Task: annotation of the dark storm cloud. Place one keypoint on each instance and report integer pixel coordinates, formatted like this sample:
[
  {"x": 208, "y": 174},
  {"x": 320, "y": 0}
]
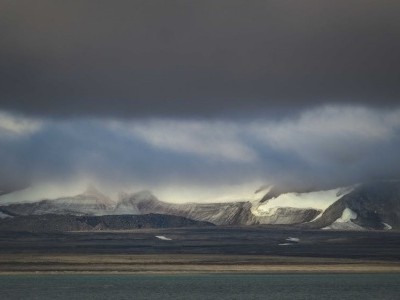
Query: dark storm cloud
[
  {"x": 196, "y": 58},
  {"x": 175, "y": 93}
]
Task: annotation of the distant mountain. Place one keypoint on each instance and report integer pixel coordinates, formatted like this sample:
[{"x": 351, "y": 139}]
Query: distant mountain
[
  {"x": 365, "y": 206},
  {"x": 91, "y": 202},
  {"x": 369, "y": 206},
  {"x": 94, "y": 203},
  {"x": 49, "y": 222}
]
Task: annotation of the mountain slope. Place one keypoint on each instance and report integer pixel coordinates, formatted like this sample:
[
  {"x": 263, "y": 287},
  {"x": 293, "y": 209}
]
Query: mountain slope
[
  {"x": 277, "y": 207},
  {"x": 216, "y": 213},
  {"x": 231, "y": 213},
  {"x": 372, "y": 206}
]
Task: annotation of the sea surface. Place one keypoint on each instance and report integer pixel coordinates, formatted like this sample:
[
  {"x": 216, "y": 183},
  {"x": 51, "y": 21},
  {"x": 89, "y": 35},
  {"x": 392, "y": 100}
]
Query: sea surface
[{"x": 193, "y": 287}]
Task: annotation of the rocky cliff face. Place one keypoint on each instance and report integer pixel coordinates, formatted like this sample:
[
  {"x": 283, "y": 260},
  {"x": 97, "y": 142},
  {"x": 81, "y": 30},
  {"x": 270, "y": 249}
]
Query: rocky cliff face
[
  {"x": 217, "y": 213},
  {"x": 288, "y": 215}
]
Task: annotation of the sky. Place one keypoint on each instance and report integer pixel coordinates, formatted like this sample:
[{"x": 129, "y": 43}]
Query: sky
[{"x": 198, "y": 100}]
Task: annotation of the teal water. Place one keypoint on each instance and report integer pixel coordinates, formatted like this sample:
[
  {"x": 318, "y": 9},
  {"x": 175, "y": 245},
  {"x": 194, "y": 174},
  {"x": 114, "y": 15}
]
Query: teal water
[{"x": 193, "y": 287}]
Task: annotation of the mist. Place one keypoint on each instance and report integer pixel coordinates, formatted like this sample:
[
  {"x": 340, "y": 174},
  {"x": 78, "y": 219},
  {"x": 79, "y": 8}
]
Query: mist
[{"x": 320, "y": 148}]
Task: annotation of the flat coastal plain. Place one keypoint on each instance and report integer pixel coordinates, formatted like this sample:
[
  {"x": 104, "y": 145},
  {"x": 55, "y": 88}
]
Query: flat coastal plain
[{"x": 260, "y": 249}]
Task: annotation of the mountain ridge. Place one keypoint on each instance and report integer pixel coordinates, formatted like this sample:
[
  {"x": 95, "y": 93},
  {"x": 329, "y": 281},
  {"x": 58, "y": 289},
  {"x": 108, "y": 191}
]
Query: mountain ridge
[{"x": 365, "y": 206}]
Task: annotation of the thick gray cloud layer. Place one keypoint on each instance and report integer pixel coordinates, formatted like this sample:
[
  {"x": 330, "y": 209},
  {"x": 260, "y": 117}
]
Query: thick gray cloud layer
[
  {"x": 196, "y": 58},
  {"x": 321, "y": 148}
]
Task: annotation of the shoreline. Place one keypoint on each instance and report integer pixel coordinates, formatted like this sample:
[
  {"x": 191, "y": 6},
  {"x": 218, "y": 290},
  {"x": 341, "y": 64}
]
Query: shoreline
[{"x": 165, "y": 264}]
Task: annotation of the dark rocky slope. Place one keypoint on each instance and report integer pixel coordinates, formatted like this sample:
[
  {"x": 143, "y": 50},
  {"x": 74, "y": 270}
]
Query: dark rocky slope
[
  {"x": 376, "y": 205},
  {"x": 49, "y": 223}
]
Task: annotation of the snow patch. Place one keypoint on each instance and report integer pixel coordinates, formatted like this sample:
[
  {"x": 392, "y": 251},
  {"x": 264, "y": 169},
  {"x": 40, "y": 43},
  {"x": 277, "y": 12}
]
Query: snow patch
[
  {"x": 293, "y": 239},
  {"x": 387, "y": 226},
  {"x": 347, "y": 216},
  {"x": 162, "y": 237},
  {"x": 345, "y": 221},
  {"x": 320, "y": 200},
  {"x": 266, "y": 213}
]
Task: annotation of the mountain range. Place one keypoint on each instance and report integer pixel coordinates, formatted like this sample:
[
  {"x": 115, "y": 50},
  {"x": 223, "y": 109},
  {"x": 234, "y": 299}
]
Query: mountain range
[{"x": 368, "y": 206}]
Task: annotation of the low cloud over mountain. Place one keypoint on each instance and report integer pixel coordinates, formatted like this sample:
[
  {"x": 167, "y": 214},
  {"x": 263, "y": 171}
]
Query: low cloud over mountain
[{"x": 318, "y": 148}]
